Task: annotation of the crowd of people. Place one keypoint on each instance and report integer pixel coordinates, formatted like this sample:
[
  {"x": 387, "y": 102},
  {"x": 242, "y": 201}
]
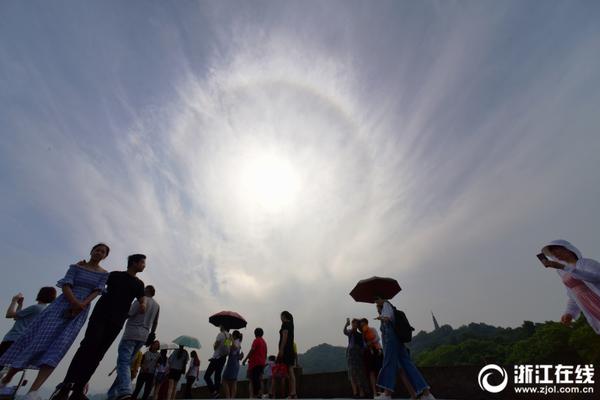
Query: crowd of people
[{"x": 44, "y": 332}]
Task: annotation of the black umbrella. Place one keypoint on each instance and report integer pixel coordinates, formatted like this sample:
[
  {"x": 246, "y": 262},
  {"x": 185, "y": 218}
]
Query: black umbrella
[
  {"x": 367, "y": 290},
  {"x": 228, "y": 319}
]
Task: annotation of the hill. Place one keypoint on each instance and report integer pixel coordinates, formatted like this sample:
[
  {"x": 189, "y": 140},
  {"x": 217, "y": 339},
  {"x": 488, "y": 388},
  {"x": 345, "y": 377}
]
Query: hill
[{"x": 323, "y": 358}]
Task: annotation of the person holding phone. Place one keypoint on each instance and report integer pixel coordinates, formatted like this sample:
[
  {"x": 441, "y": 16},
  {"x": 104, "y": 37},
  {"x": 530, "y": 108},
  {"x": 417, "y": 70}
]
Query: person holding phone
[
  {"x": 581, "y": 277},
  {"x": 24, "y": 316}
]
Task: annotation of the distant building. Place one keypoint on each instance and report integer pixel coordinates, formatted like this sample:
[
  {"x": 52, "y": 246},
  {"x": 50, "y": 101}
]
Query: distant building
[{"x": 436, "y": 326}]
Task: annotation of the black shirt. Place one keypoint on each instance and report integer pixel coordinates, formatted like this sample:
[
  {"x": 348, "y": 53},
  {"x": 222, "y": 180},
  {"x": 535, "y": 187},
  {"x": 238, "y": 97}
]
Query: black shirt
[
  {"x": 288, "y": 350},
  {"x": 121, "y": 290}
]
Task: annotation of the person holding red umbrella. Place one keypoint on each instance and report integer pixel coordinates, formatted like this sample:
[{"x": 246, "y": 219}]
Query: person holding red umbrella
[
  {"x": 222, "y": 345},
  {"x": 379, "y": 290},
  {"x": 396, "y": 357}
]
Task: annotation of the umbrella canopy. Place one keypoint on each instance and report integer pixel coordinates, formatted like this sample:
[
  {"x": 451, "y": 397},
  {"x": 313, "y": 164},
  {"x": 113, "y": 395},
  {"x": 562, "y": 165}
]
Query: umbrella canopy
[
  {"x": 187, "y": 341},
  {"x": 168, "y": 346},
  {"x": 367, "y": 290},
  {"x": 228, "y": 319}
]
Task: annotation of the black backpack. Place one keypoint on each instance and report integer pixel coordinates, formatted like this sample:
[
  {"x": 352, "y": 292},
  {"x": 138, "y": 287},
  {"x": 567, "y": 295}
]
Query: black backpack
[{"x": 402, "y": 327}]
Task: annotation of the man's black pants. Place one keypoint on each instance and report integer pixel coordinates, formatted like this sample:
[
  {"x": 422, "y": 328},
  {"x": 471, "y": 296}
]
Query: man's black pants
[
  {"x": 214, "y": 366},
  {"x": 99, "y": 336}
]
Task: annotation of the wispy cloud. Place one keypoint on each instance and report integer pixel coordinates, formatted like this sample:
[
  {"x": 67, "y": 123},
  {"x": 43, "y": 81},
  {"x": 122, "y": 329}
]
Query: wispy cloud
[{"x": 438, "y": 143}]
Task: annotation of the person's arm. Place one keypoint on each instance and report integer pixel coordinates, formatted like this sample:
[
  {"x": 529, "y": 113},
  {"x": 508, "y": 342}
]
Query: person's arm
[
  {"x": 386, "y": 313},
  {"x": 15, "y": 306},
  {"x": 345, "y": 330},
  {"x": 220, "y": 338},
  {"x": 66, "y": 284},
  {"x": 155, "y": 322},
  {"x": 572, "y": 311},
  {"x": 248, "y": 355},
  {"x": 134, "y": 309},
  {"x": 76, "y": 305},
  {"x": 588, "y": 271},
  {"x": 88, "y": 300},
  {"x": 142, "y": 302}
]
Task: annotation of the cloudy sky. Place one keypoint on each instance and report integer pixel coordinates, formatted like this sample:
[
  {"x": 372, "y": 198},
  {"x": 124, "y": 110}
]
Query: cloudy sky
[{"x": 267, "y": 155}]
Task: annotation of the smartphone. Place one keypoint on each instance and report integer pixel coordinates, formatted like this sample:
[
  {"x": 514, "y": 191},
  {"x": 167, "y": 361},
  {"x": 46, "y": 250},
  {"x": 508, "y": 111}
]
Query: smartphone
[{"x": 542, "y": 257}]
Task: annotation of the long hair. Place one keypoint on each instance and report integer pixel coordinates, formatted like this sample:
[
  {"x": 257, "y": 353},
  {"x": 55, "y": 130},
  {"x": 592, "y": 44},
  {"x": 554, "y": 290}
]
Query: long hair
[
  {"x": 287, "y": 315},
  {"x": 195, "y": 358},
  {"x": 162, "y": 360}
]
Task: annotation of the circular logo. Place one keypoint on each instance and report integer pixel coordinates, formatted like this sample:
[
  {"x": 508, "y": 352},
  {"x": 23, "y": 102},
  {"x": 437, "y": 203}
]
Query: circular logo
[{"x": 484, "y": 375}]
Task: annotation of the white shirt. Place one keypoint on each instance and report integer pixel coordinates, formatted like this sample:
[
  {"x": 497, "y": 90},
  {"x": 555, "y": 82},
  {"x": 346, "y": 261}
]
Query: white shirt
[{"x": 588, "y": 271}]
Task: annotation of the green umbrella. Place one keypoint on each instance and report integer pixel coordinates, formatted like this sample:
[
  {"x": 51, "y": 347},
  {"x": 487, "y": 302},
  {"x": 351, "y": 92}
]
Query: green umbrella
[{"x": 187, "y": 341}]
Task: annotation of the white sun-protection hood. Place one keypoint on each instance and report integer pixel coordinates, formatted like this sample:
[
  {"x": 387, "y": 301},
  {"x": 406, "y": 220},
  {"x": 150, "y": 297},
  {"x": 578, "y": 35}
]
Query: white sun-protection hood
[{"x": 562, "y": 243}]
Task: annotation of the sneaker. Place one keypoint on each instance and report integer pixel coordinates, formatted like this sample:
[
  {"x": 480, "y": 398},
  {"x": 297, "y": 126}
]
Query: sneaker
[
  {"x": 427, "y": 397},
  {"x": 78, "y": 396},
  {"x": 61, "y": 392},
  {"x": 382, "y": 396},
  {"x": 33, "y": 395}
]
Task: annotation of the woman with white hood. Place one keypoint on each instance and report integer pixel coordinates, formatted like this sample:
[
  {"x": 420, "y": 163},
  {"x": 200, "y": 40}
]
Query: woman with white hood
[{"x": 581, "y": 277}]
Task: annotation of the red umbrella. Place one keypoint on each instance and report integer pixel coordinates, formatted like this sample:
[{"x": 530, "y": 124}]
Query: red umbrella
[
  {"x": 367, "y": 290},
  {"x": 228, "y": 319}
]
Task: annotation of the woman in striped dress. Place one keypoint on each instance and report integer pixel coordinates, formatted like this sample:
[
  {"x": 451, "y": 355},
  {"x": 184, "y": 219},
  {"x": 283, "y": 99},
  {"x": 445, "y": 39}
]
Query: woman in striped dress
[{"x": 52, "y": 333}]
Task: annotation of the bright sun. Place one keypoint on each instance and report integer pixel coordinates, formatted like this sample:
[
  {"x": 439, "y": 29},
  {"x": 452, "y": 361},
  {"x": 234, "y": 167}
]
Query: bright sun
[{"x": 268, "y": 180}]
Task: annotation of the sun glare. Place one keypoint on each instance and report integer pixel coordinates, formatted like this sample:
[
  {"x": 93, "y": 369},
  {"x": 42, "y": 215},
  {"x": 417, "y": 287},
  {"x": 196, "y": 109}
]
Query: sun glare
[{"x": 269, "y": 181}]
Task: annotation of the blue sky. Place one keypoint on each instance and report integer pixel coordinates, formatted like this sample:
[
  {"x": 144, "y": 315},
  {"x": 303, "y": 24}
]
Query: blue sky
[{"x": 267, "y": 155}]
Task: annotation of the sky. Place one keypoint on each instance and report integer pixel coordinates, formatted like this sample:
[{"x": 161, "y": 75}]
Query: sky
[{"x": 266, "y": 156}]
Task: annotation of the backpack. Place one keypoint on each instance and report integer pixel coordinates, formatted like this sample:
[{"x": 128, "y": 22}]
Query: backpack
[{"x": 402, "y": 327}]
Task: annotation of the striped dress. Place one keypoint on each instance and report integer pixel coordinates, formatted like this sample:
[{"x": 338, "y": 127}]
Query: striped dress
[{"x": 51, "y": 334}]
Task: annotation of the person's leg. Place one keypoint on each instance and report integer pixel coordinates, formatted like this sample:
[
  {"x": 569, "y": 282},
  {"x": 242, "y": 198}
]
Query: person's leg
[
  {"x": 188, "y": 387},
  {"x": 139, "y": 383},
  {"x": 226, "y": 389},
  {"x": 170, "y": 390},
  {"x": 233, "y": 389},
  {"x": 123, "y": 378},
  {"x": 93, "y": 336},
  {"x": 254, "y": 378},
  {"x": 157, "y": 385},
  {"x": 207, "y": 375},
  {"x": 412, "y": 373},
  {"x": 109, "y": 334},
  {"x": 5, "y": 345},
  {"x": 406, "y": 382},
  {"x": 353, "y": 384},
  {"x": 250, "y": 386},
  {"x": 42, "y": 376},
  {"x": 219, "y": 373},
  {"x": 373, "y": 378},
  {"x": 292, "y": 377},
  {"x": 389, "y": 370},
  {"x": 9, "y": 375},
  {"x": 130, "y": 349},
  {"x": 148, "y": 385}
]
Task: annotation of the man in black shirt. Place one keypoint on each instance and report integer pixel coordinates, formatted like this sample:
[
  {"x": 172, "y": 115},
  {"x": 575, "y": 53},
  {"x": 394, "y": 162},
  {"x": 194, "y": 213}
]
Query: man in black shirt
[{"x": 106, "y": 321}]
